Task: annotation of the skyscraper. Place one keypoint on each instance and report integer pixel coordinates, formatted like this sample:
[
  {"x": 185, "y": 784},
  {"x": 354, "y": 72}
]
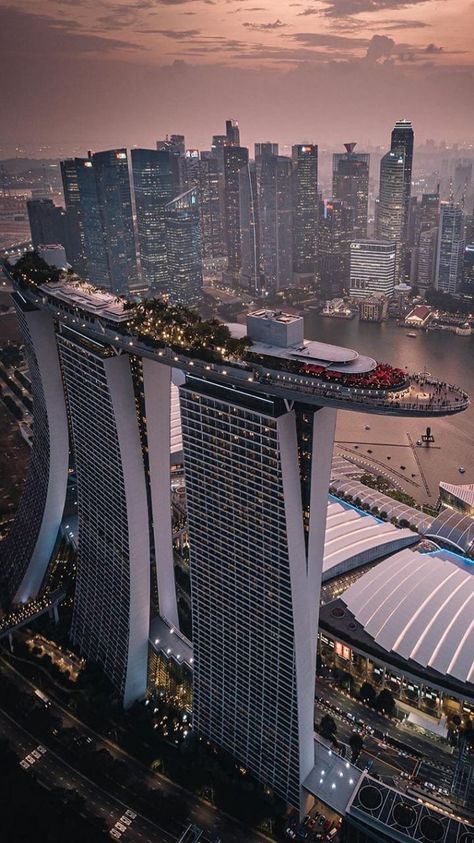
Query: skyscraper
[
  {"x": 115, "y": 205},
  {"x": 154, "y": 185},
  {"x": 350, "y": 184},
  {"x": 235, "y": 157},
  {"x": 426, "y": 220},
  {"x": 84, "y": 221},
  {"x": 183, "y": 248},
  {"x": 335, "y": 227},
  {"x": 372, "y": 267},
  {"x": 47, "y": 222},
  {"x": 249, "y": 229},
  {"x": 305, "y": 208},
  {"x": 276, "y": 222},
  {"x": 450, "y": 249},
  {"x": 99, "y": 209},
  {"x": 391, "y": 217},
  {"x": 403, "y": 138},
  {"x": 201, "y": 170},
  {"x": 232, "y": 133}
]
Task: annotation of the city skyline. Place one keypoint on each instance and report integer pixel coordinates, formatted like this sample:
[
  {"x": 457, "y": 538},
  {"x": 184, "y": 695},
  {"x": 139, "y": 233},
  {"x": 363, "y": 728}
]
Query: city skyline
[{"x": 331, "y": 63}]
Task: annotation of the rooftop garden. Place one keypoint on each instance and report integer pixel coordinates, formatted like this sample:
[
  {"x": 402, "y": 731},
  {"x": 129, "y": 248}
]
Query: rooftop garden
[
  {"x": 155, "y": 321},
  {"x": 384, "y": 376},
  {"x": 183, "y": 330}
]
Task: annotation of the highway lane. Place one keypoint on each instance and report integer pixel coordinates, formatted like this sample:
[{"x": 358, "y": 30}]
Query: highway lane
[
  {"x": 52, "y": 772},
  {"x": 214, "y": 822}
]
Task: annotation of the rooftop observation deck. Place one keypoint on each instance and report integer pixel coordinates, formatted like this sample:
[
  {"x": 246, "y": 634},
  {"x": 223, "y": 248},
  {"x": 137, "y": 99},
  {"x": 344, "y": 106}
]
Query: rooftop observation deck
[{"x": 261, "y": 364}]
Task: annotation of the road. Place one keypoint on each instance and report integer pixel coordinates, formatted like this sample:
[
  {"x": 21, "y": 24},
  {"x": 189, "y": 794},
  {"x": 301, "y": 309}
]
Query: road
[
  {"x": 213, "y": 822},
  {"x": 52, "y": 772},
  {"x": 414, "y": 756}
]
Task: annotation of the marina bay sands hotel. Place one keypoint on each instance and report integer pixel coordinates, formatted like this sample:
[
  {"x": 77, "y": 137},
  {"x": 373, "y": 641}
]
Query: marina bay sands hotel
[{"x": 258, "y": 416}]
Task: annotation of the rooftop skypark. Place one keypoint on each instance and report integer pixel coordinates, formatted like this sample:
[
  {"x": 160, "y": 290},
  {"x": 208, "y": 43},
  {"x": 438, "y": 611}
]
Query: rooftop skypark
[{"x": 273, "y": 356}]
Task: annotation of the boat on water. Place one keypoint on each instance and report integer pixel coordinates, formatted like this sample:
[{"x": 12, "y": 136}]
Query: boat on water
[
  {"x": 412, "y": 334},
  {"x": 461, "y": 469}
]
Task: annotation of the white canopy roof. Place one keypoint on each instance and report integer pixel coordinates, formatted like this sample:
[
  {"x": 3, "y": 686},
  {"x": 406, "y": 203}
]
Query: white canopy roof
[{"x": 421, "y": 606}]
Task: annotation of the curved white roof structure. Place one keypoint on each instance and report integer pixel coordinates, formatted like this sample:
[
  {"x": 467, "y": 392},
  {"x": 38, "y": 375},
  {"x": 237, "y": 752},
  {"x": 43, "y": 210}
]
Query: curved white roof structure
[
  {"x": 354, "y": 539},
  {"x": 420, "y": 606},
  {"x": 454, "y": 529}
]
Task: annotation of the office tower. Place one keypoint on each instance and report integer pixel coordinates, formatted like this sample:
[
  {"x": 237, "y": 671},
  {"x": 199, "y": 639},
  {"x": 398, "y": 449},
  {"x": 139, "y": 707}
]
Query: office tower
[
  {"x": 450, "y": 249},
  {"x": 469, "y": 228},
  {"x": 99, "y": 214},
  {"x": 276, "y": 222},
  {"x": 115, "y": 204},
  {"x": 468, "y": 269},
  {"x": 372, "y": 267},
  {"x": 403, "y": 139},
  {"x": 305, "y": 208},
  {"x": 47, "y": 222},
  {"x": 335, "y": 227},
  {"x": 27, "y": 549},
  {"x": 249, "y": 229},
  {"x": 265, "y": 148},
  {"x": 232, "y": 133},
  {"x": 350, "y": 184},
  {"x": 183, "y": 248},
  {"x": 392, "y": 206},
  {"x": 218, "y": 143},
  {"x": 425, "y": 259},
  {"x": 84, "y": 223},
  {"x": 200, "y": 170},
  {"x": 462, "y": 181},
  {"x": 172, "y": 143},
  {"x": 235, "y": 157},
  {"x": 426, "y": 220},
  {"x": 154, "y": 185}
]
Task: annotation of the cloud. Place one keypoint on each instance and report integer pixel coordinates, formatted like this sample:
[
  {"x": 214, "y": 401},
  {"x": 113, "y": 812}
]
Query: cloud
[
  {"x": 30, "y": 35},
  {"x": 381, "y": 46},
  {"x": 347, "y": 8},
  {"x": 177, "y": 34},
  {"x": 327, "y": 39},
  {"x": 265, "y": 27},
  {"x": 433, "y": 49}
]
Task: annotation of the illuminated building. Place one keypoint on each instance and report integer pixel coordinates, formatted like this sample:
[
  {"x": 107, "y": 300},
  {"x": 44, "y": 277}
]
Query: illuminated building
[
  {"x": 258, "y": 425},
  {"x": 372, "y": 267},
  {"x": 235, "y": 157},
  {"x": 350, "y": 184},
  {"x": 276, "y": 222},
  {"x": 183, "y": 248},
  {"x": 391, "y": 218},
  {"x": 333, "y": 247},
  {"x": 154, "y": 185},
  {"x": 449, "y": 249},
  {"x": 305, "y": 208}
]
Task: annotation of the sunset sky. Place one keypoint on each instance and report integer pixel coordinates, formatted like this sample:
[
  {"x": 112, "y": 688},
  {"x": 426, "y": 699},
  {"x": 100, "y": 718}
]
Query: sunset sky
[{"x": 107, "y": 72}]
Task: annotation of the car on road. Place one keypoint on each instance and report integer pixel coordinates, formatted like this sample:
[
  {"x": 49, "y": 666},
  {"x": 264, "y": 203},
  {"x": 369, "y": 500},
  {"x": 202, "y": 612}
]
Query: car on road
[
  {"x": 36, "y": 754},
  {"x": 114, "y": 833},
  {"x": 30, "y": 759},
  {"x": 125, "y": 820},
  {"x": 24, "y": 764},
  {"x": 130, "y": 813},
  {"x": 120, "y": 826},
  {"x": 42, "y": 749}
]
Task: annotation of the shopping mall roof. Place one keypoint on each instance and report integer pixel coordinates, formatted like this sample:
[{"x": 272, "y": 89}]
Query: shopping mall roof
[
  {"x": 354, "y": 538},
  {"x": 384, "y": 503},
  {"x": 453, "y": 528},
  {"x": 421, "y": 607}
]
